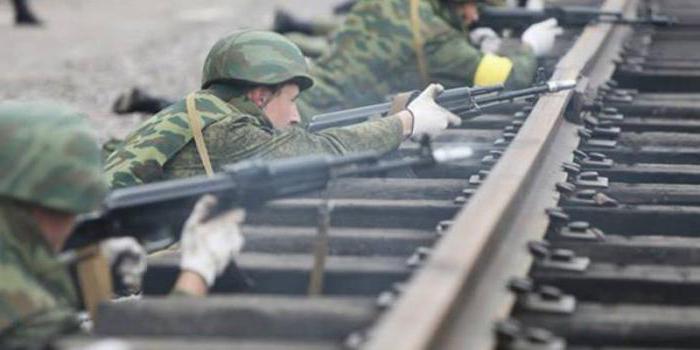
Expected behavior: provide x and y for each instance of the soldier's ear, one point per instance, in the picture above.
(259, 95)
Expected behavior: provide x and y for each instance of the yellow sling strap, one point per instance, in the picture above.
(492, 70)
(418, 43)
(196, 127)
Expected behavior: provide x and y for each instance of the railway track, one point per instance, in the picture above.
(574, 226)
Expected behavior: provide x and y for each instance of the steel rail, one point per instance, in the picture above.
(453, 301)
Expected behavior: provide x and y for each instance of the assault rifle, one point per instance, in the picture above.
(466, 102)
(159, 210)
(448, 98)
(568, 16)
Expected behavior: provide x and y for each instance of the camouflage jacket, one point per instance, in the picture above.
(373, 55)
(163, 147)
(37, 297)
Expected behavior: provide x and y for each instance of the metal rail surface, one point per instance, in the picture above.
(464, 278)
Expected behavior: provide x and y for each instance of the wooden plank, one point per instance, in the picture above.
(650, 153)
(641, 220)
(420, 214)
(656, 173)
(245, 316)
(661, 250)
(653, 193)
(614, 283)
(343, 241)
(623, 325)
(287, 274)
(189, 343)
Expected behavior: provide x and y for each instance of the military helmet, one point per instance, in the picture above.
(49, 157)
(257, 57)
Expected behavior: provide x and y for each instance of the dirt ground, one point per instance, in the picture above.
(89, 51)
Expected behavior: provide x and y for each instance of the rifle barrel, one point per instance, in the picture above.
(360, 114)
(567, 16)
(548, 87)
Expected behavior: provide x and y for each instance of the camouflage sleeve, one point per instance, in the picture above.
(524, 64)
(453, 62)
(29, 316)
(250, 140)
(241, 137)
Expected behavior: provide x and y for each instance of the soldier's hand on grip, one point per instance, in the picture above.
(127, 258)
(535, 5)
(208, 245)
(486, 39)
(428, 117)
(540, 36)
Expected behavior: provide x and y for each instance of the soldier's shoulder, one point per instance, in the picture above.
(141, 158)
(21, 293)
(204, 102)
(390, 15)
(235, 120)
(173, 120)
(433, 26)
(374, 29)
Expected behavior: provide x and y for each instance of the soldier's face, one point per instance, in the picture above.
(55, 226)
(468, 12)
(281, 107)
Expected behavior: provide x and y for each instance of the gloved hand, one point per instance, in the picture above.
(208, 245)
(535, 5)
(428, 117)
(127, 258)
(540, 36)
(486, 39)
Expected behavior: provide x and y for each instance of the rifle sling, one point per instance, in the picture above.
(196, 128)
(418, 42)
(95, 279)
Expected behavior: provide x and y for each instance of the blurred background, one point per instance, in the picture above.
(87, 52)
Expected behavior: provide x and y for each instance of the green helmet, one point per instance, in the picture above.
(257, 57)
(48, 157)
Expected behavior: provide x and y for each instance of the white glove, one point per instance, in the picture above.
(208, 245)
(130, 257)
(535, 5)
(428, 117)
(485, 39)
(108, 344)
(540, 36)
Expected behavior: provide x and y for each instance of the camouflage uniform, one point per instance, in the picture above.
(49, 159)
(234, 128)
(37, 299)
(373, 56)
(162, 148)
